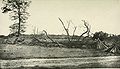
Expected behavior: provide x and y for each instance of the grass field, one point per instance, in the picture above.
(18, 56)
(8, 51)
(63, 63)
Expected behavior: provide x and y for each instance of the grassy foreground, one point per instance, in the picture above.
(8, 51)
(63, 63)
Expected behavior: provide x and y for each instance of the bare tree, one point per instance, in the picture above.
(87, 26)
(75, 27)
(66, 29)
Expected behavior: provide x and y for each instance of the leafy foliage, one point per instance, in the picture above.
(18, 14)
(100, 35)
(14, 28)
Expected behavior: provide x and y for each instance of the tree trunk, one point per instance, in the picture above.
(19, 24)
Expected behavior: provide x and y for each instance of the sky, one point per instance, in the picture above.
(102, 15)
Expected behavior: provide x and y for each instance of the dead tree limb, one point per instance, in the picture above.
(68, 24)
(50, 38)
(74, 30)
(87, 31)
(66, 29)
(34, 31)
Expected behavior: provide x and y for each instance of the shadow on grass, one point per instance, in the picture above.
(37, 67)
(52, 67)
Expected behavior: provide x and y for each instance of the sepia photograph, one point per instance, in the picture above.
(59, 34)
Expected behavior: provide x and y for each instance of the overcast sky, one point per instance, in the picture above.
(102, 15)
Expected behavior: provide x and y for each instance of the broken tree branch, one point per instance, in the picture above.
(87, 31)
(74, 30)
(65, 29)
(50, 38)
